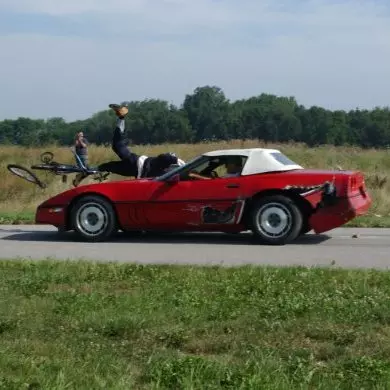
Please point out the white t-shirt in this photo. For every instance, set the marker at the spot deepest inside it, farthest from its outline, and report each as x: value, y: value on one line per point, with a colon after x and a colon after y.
x: 140, y: 165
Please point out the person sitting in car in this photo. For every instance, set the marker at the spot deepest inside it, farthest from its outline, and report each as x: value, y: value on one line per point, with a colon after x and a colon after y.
x: 233, y: 167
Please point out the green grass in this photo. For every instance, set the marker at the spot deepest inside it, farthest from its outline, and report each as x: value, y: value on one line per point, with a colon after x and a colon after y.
x: 109, y: 326
x: 370, y: 221
x: 17, y: 218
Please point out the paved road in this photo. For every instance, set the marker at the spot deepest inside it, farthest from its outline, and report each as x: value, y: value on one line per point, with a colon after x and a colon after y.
x: 371, y: 248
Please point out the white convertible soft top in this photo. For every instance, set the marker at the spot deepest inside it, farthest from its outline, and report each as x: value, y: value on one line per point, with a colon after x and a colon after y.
x: 259, y: 160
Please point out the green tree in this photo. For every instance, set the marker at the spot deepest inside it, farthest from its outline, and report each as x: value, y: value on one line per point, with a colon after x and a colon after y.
x: 208, y: 113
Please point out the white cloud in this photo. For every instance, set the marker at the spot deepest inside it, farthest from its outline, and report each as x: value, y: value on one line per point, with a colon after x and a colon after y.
x: 334, y: 54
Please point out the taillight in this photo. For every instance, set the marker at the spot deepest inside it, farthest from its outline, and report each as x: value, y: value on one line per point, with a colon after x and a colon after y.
x: 356, y: 183
x: 353, y: 183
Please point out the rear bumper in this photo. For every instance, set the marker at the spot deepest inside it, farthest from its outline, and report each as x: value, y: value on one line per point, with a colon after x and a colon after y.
x: 339, y: 212
x: 50, y: 215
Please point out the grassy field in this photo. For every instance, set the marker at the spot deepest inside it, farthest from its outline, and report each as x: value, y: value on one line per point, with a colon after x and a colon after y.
x: 108, y: 326
x: 18, y: 198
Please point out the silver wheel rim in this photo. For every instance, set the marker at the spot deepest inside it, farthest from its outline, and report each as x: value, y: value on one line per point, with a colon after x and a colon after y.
x: 274, y: 220
x: 91, y: 219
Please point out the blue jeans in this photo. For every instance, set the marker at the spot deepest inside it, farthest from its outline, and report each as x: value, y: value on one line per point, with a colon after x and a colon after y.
x: 84, y: 160
x: 120, y: 144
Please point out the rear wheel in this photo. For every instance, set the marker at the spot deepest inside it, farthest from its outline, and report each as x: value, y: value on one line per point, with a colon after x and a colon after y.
x: 276, y: 220
x: 46, y: 157
x: 93, y: 218
x: 25, y: 173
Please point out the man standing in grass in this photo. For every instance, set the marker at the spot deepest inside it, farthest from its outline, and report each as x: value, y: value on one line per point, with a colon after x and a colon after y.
x: 81, y: 149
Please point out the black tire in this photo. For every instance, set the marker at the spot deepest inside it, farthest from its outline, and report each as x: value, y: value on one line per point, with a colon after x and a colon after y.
x: 25, y: 174
x: 46, y: 157
x: 305, y: 229
x: 93, y: 218
x: 283, y: 212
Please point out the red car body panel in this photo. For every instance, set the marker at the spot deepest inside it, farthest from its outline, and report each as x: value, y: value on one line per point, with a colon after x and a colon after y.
x: 216, y: 204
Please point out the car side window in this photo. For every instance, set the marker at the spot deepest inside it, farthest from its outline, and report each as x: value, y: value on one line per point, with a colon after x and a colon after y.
x: 216, y: 167
x: 231, y: 167
x: 202, y: 167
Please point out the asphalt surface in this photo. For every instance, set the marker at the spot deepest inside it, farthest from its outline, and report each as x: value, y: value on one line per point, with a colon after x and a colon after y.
x: 344, y: 247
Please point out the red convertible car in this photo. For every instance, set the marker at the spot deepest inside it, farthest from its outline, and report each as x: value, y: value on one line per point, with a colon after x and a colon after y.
x: 232, y: 191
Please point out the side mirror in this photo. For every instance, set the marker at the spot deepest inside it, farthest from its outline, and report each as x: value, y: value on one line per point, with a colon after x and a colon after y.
x: 173, y: 179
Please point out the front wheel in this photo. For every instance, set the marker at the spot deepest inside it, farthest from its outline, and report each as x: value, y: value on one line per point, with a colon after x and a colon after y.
x: 93, y: 218
x: 276, y: 220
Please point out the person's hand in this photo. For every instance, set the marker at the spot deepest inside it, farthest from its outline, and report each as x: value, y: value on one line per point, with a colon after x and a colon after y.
x: 197, y: 176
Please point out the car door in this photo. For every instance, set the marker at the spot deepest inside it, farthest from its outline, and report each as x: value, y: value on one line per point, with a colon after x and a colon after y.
x: 195, y: 203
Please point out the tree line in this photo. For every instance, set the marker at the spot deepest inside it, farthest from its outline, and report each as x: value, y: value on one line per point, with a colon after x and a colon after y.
x: 206, y: 114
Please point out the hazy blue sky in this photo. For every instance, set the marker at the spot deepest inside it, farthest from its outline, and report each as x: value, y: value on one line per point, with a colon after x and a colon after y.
x: 71, y: 58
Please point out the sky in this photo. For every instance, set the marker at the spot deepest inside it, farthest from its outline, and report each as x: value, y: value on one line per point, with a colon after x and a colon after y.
x: 72, y: 58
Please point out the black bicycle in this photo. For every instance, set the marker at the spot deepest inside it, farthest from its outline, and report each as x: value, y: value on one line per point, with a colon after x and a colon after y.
x: 49, y: 165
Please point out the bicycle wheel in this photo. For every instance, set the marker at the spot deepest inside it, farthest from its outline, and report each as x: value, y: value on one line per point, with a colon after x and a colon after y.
x: 25, y: 174
x: 46, y: 157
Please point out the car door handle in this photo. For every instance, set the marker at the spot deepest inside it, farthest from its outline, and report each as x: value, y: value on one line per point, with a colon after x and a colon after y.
x: 233, y: 185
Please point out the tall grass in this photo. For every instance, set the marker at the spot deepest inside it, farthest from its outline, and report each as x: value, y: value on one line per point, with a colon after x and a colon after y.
x: 17, y: 195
